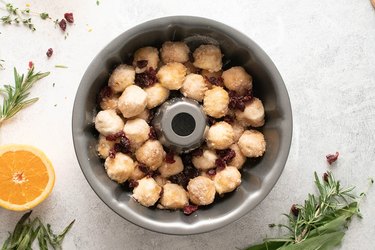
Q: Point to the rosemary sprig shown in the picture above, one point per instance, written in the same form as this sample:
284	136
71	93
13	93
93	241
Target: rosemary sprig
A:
1	64
321	222
15	97
27	230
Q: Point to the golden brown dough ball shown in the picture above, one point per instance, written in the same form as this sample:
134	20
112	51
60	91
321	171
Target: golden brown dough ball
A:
122	77
108	122
238	80
252	143
253	115
215	102
133	101
147	192
156	95
169	169
151	153
201	190
194	87
239	159
172	75
174	196
104	146
137	173
119	168
238	130
150	54
220	135
137	131
205	161
227	180
161	181
208	57
174	52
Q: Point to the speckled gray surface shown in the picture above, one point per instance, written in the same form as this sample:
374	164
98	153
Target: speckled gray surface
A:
323	50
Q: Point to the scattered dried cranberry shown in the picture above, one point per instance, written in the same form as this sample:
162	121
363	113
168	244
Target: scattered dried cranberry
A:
197	152
49	52
114	137
179	179
218	81
152	134
146	79
228	118
226	155
169	157
143	168
62	24
294	210
189	209
325	177
142	63
332	158
133	183
211	172
123	146
112	153
105	92
69	17
220	164
239	101
31	64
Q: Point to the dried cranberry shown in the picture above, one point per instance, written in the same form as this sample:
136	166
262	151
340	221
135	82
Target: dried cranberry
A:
239	101
220	164
123	146
152	134
211	172
332	158
294	210
69	17
218	81
112	153
143	168
197	152
169	157
325	177
226	155
180	179
114	137
229	118
146	79
142	63
31	64
62	24
105	92
133	183
49	52
189	209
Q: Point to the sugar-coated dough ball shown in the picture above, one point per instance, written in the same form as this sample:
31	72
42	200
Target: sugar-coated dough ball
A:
172	75
104	146
220	135
151	153
190	68
169	169
119	168
108	122
201	190
133	101
253	115
174	196
227	180
137	174
161	181
137	131
239	159
145	115
156	95
147	192
205	161
238	130
174	52
208	57
150	54
215	102
194	87
109	103
122	77
252	143
238	80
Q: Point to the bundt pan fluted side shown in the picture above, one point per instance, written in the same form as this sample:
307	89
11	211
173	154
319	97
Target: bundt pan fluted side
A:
258	177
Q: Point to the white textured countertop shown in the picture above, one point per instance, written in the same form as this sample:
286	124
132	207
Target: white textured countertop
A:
324	50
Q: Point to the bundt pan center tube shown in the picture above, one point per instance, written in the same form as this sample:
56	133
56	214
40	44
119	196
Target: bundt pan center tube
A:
258	176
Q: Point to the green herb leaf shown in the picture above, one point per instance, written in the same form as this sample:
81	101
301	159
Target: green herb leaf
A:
321	242
44	15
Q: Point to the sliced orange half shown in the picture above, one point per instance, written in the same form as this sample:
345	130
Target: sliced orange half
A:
26	177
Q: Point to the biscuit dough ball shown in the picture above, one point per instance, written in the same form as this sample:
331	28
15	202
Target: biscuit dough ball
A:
161	181
109	103
227	180
147	192
119	168
194	87
137	131
169	169
151	153
174	196
172	75
239	159
208	57
238	80
122	77
215	102
156	95
205	161
252	143
150	54
104	146
220	135
174	52
133	101
108	122
201	190
137	173
238	130
253	115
